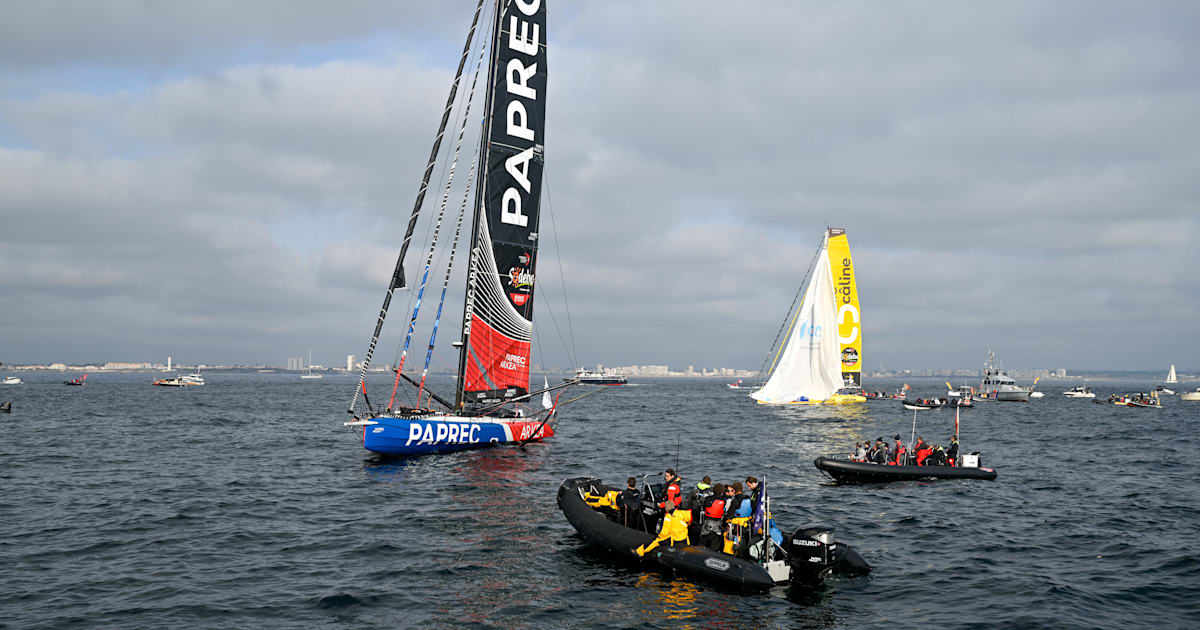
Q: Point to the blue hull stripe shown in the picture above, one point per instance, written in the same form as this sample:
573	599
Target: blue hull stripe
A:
439	434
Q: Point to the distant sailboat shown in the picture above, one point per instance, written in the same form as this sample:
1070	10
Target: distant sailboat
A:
821	361
308	371
1171	378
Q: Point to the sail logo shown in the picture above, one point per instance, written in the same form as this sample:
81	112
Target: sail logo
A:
519	277
513	362
445	432
809	330
845	291
524	38
850	357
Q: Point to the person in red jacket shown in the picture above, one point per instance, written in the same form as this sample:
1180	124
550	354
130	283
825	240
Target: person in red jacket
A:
710	520
674	491
899	452
922	450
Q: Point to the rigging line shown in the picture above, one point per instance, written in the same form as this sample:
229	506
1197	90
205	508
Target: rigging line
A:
557	328
763	374
561	276
460	114
397	279
462	211
465	113
551	413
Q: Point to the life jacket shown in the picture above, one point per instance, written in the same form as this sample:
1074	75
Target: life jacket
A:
699	496
738	507
608	499
733	537
715	508
674	494
900	455
922	454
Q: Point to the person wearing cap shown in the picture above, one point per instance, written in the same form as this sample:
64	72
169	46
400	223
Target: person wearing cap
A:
875	453
674	529
899	452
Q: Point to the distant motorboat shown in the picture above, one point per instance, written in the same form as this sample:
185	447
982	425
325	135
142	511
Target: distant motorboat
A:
1037	394
190	380
587	377
1191	395
997	385
1081	391
11	380
78	382
1164	390
737	385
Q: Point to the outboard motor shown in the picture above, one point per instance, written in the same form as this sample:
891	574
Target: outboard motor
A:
810	552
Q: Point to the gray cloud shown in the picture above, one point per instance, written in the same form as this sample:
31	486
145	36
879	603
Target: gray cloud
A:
1018	176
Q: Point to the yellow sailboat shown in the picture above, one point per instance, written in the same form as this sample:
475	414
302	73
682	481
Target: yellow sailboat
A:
821	361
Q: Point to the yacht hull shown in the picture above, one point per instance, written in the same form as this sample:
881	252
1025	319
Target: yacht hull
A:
445	434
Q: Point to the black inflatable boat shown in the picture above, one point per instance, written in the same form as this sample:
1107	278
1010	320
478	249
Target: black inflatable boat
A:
845	471
806	558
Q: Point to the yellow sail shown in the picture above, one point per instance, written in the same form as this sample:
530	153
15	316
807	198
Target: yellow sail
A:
849	315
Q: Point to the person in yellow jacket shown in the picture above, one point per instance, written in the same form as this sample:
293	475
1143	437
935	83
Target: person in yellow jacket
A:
674	528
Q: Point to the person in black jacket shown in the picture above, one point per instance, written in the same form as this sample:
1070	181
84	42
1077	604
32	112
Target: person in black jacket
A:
952	452
878	453
630	502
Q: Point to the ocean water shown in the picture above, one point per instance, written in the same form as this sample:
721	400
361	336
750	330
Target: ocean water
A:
245	503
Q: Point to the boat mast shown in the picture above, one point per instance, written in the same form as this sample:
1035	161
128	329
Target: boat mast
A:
464	348
397	280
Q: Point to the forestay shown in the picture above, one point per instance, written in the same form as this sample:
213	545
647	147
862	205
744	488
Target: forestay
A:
809	368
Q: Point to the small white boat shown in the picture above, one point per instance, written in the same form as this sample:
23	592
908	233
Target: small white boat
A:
1036	394
1081	391
1171	378
737	385
1191	395
190	380
11	380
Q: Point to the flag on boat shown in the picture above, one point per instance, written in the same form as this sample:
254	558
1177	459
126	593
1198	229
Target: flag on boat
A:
546	402
759	521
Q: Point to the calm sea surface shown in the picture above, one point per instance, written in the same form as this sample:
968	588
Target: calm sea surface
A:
246	504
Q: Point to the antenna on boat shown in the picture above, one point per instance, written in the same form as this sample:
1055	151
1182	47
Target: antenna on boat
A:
913	437
677	451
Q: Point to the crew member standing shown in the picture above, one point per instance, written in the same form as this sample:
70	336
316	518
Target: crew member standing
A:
674	492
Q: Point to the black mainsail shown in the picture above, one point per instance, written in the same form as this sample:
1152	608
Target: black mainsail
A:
494	359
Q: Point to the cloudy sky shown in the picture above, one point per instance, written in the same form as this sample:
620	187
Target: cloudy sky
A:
227	182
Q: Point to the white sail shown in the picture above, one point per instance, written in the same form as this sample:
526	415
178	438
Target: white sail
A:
809	367
1171	378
